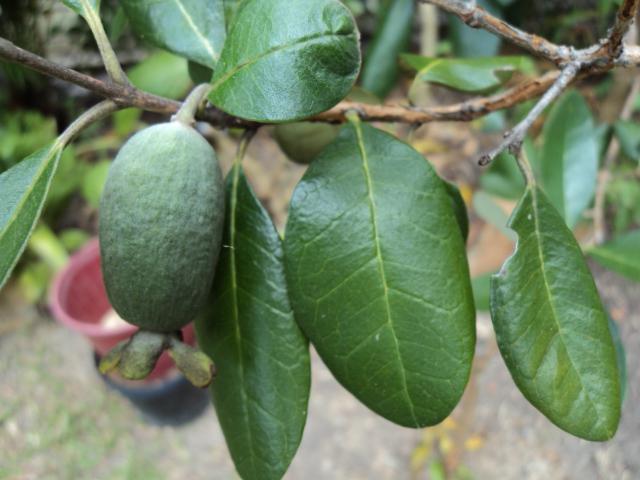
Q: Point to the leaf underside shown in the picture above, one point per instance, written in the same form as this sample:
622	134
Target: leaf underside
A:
551	327
378	276
263	370
190	28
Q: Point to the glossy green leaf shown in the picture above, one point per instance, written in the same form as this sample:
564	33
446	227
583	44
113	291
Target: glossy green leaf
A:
23	190
459	209
262	386
551	327
628	134
622	255
378	276
302	60
380	69
77	5
193	29
162	73
569	160
466	74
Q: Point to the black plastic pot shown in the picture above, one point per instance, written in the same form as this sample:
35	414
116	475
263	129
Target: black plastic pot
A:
173	401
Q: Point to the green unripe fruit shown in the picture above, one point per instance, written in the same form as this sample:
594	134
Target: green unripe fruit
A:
161	223
303	141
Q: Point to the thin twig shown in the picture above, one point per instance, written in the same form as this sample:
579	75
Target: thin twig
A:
477	17
128	96
624	19
514	138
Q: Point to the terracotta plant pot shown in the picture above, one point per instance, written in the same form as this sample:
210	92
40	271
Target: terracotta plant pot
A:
78	301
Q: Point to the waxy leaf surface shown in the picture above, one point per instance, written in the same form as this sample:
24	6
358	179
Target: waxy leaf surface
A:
78	6
378	276
193	29
286	59
23	190
551	327
262	386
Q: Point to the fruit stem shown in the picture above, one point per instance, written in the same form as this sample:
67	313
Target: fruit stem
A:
190	106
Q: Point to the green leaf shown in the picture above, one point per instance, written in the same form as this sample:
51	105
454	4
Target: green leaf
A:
487	209
192	29
262	387
459	209
23	190
380	70
302	60
482	291
629	135
622	255
551	326
378	276
76	5
230	9
503	178
569	160
466	74
162	73
621	357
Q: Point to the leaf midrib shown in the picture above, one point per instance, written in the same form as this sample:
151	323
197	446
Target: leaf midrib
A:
236	313
309	38
547	286
376	238
52	152
205	42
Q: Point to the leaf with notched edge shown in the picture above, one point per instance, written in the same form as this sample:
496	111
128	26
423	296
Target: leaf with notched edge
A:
551	327
378	276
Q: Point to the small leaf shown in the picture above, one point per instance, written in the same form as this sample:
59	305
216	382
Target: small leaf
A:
192	29
393	30
302	60
628	134
77	5
466	74
23	190
569	160
622	255
551	326
378	276
262	386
